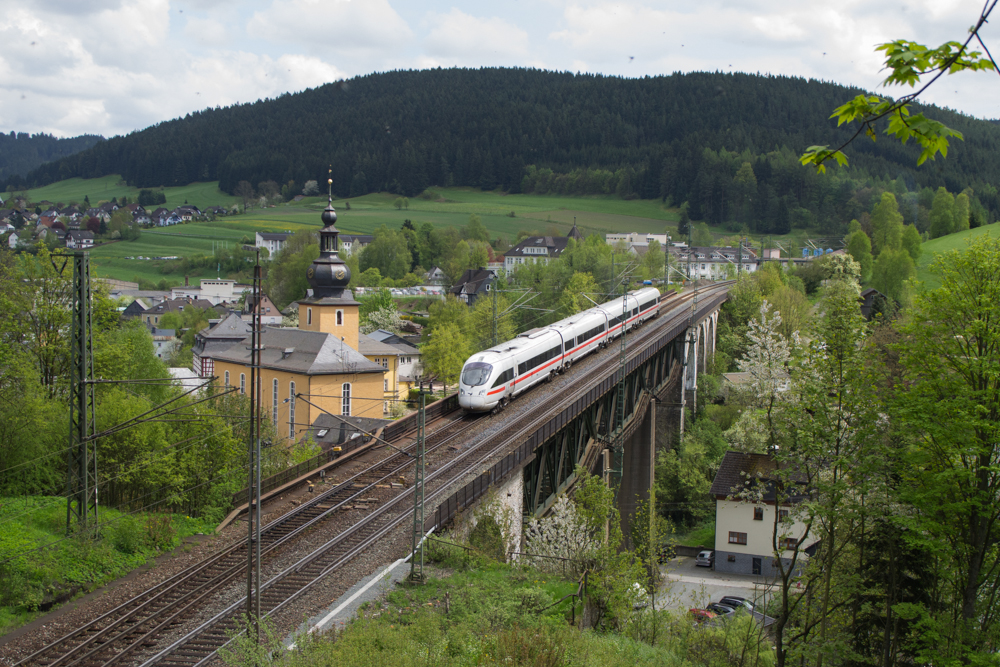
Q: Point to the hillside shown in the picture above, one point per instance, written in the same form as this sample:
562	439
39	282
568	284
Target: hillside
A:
20	152
683	136
957	241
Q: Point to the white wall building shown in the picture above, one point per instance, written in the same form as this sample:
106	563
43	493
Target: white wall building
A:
636	238
745	519
272	241
216	291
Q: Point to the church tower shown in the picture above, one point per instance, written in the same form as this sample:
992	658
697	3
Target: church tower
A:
331	308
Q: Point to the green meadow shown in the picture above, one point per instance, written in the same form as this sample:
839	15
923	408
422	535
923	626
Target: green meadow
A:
449	207
956	241
106	187
503	215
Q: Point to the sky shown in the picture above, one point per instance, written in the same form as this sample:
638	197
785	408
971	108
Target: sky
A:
109	67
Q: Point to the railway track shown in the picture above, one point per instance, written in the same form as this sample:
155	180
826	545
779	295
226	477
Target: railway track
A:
199	646
115	637
110	638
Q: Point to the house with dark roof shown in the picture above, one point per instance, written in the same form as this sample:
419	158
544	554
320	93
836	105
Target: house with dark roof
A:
410	369
387	357
269	313
273	241
152	315
713	262
80	240
875	304
472	284
351	244
757	508
218	336
536	249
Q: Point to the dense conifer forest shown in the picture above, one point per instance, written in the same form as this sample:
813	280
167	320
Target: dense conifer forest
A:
21	152
725	143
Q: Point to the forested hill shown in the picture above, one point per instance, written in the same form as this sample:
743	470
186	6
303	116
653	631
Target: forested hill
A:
21	152
403	131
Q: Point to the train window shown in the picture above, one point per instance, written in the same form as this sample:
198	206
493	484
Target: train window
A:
504	377
476	373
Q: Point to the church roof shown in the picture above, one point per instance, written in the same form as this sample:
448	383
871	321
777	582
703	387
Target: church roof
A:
302	352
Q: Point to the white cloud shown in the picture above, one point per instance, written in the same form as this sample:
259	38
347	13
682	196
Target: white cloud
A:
461	38
111	66
331	25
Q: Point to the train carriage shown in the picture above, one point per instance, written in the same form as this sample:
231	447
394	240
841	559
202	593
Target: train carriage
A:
492	377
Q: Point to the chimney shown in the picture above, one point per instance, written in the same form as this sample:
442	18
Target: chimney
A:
185	281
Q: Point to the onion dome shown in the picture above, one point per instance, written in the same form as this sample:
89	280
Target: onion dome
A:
328	275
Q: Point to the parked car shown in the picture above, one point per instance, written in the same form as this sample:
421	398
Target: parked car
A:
737	602
720	609
705	559
702	615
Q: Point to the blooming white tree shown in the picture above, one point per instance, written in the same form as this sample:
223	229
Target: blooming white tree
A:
387	319
563	534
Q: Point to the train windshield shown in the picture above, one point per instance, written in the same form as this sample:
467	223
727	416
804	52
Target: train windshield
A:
476	373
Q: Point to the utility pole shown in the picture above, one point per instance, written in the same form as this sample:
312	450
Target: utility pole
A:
253	509
81	482
494	337
417	571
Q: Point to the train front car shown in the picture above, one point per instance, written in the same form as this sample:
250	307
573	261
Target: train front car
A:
474	382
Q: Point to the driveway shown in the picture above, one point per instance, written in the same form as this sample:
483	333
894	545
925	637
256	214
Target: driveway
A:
686	585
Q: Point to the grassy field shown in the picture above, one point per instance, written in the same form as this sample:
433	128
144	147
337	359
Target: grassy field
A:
106	187
443	207
955	241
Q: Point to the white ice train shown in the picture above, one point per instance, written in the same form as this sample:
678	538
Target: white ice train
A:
492	377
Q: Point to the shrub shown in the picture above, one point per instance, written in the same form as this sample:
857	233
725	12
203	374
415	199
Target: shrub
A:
126	535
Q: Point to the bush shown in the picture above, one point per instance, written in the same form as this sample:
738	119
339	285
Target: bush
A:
127	535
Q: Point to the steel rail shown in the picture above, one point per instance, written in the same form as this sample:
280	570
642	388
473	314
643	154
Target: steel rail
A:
156	593
227	620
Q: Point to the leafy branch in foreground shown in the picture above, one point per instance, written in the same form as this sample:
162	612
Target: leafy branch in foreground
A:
908	62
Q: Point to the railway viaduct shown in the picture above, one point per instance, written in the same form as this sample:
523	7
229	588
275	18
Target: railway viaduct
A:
584	426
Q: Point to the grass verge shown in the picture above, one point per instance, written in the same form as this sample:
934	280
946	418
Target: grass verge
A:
41	568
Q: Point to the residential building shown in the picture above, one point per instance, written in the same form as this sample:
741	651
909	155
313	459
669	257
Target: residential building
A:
215	291
165	341
80	240
636	238
152	315
410	369
536	249
217	337
14	240
713	263
387	357
269	313
354	243
748	491
473	284
273	241
436	276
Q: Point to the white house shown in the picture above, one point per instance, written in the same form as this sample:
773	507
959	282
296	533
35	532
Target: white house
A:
273	241
80	240
354	243
745	492
713	263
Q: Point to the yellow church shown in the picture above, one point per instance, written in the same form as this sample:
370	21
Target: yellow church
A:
326	360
